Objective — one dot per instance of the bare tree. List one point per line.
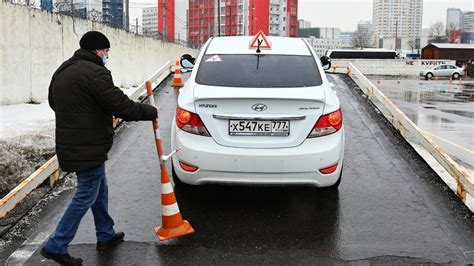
(412, 44)
(361, 38)
(437, 30)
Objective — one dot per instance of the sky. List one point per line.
(343, 14)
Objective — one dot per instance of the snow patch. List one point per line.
(25, 119)
(26, 141)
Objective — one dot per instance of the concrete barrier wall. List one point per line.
(393, 67)
(34, 43)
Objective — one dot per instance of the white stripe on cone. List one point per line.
(167, 188)
(152, 99)
(170, 210)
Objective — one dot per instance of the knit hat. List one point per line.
(94, 40)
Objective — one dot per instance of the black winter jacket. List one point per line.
(84, 99)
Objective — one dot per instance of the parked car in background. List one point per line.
(443, 71)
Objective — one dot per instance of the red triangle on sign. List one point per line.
(260, 37)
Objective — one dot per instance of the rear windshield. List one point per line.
(252, 70)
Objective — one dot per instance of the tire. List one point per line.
(456, 76)
(429, 75)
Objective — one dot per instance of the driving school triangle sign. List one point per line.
(261, 39)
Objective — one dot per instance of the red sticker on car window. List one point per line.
(214, 58)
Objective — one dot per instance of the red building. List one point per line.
(168, 6)
(241, 17)
(201, 16)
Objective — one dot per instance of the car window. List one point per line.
(451, 67)
(252, 70)
(437, 68)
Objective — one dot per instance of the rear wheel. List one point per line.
(429, 76)
(456, 75)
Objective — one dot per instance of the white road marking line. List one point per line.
(450, 142)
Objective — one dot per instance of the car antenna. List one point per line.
(259, 42)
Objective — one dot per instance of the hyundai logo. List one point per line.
(259, 107)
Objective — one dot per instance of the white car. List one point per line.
(266, 117)
(443, 71)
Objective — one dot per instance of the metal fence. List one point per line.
(457, 178)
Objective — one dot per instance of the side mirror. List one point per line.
(326, 62)
(187, 61)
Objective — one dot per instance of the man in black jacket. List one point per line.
(84, 99)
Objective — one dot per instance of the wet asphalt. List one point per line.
(442, 108)
(391, 208)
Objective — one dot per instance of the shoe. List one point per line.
(104, 245)
(62, 259)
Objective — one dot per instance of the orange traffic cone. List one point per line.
(177, 79)
(460, 82)
(173, 224)
(174, 67)
(451, 81)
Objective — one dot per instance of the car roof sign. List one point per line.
(260, 41)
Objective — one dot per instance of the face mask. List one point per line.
(104, 60)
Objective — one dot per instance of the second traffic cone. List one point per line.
(177, 79)
(173, 224)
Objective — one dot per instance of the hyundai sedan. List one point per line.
(258, 113)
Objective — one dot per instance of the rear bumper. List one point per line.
(227, 165)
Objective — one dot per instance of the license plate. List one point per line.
(259, 128)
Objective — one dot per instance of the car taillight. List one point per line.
(327, 124)
(190, 122)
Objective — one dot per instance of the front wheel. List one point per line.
(429, 76)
